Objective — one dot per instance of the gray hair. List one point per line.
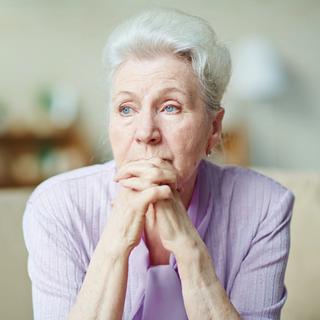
(161, 31)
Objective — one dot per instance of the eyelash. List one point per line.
(123, 107)
(177, 109)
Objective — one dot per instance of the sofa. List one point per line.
(302, 276)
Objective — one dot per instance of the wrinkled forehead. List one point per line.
(155, 76)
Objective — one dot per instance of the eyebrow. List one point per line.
(163, 91)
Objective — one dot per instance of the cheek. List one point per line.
(120, 139)
(114, 134)
(188, 143)
(191, 138)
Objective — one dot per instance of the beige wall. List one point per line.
(42, 42)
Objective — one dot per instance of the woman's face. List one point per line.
(157, 111)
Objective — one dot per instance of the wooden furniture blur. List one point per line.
(27, 159)
(234, 147)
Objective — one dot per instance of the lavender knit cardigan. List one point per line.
(247, 236)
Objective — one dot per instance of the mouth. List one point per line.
(149, 158)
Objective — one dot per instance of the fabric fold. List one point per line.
(163, 295)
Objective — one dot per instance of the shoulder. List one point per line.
(72, 199)
(83, 179)
(243, 194)
(248, 207)
(245, 181)
(70, 206)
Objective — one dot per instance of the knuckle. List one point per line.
(163, 192)
(157, 161)
(153, 174)
(167, 189)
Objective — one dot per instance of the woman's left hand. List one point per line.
(174, 225)
(169, 217)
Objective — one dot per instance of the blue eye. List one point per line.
(125, 110)
(170, 108)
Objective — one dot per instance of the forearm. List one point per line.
(204, 297)
(103, 291)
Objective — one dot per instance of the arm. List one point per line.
(263, 268)
(55, 262)
(258, 291)
(102, 294)
(203, 295)
(56, 272)
(103, 291)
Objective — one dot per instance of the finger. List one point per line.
(136, 184)
(137, 167)
(133, 168)
(150, 176)
(150, 179)
(150, 216)
(161, 163)
(152, 195)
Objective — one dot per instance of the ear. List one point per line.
(216, 130)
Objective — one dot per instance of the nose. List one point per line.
(147, 130)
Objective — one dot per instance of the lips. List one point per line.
(149, 158)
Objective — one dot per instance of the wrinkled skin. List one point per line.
(159, 131)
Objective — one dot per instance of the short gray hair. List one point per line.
(161, 31)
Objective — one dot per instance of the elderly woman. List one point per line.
(160, 233)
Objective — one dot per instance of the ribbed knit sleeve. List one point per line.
(258, 291)
(62, 224)
(54, 264)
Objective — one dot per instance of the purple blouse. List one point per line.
(242, 216)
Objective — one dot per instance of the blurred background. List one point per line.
(53, 110)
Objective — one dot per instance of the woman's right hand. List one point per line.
(151, 180)
(126, 222)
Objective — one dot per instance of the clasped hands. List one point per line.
(149, 194)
